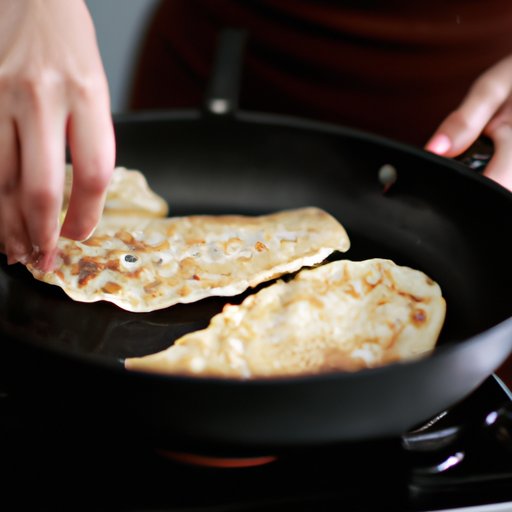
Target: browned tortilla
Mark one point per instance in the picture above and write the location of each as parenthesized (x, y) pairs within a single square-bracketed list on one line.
[(143, 263), (343, 315)]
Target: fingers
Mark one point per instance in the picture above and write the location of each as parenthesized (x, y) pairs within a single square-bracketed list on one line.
[(51, 75), (91, 140), (499, 130), (463, 126), (32, 176), (14, 239), (42, 157), (487, 109)]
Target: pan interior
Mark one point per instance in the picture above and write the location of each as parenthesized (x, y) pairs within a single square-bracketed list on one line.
[(435, 218)]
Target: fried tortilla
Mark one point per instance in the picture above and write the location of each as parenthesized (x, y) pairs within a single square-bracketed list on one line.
[(143, 264), (128, 194), (343, 315)]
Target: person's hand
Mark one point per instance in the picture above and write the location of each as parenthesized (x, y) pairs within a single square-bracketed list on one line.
[(52, 89), (487, 110)]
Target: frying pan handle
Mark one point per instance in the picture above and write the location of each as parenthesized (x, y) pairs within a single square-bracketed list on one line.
[(223, 88), (495, 433), (499, 424), (477, 156)]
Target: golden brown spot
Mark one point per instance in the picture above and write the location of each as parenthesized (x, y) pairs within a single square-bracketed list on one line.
[(418, 317), (317, 303), (150, 288), (184, 291), (161, 247), (371, 280), (396, 331), (338, 359), (350, 290), (130, 241), (135, 274), (59, 274), (112, 264), (260, 246), (188, 266), (385, 272), (388, 358), (244, 256), (95, 241), (346, 275), (232, 245), (125, 237), (413, 298), (195, 277), (170, 230), (139, 246), (111, 287), (88, 270)]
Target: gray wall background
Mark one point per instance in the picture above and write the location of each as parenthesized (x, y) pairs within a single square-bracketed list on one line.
[(119, 27)]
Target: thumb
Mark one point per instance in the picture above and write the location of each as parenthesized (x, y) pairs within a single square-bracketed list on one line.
[(465, 124)]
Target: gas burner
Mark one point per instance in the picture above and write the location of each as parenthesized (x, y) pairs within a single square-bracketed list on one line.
[(196, 459)]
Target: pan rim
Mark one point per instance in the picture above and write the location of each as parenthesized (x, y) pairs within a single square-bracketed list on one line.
[(295, 122)]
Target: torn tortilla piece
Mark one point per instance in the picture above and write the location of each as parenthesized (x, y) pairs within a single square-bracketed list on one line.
[(143, 264), (341, 316)]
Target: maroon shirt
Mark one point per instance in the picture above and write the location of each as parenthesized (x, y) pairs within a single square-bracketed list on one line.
[(394, 67)]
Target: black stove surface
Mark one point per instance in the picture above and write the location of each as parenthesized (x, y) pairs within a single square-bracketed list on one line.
[(462, 457)]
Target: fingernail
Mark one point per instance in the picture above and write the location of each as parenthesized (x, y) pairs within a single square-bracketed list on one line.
[(79, 236), (439, 144)]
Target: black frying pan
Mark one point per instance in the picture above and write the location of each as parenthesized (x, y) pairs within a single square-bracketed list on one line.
[(438, 217)]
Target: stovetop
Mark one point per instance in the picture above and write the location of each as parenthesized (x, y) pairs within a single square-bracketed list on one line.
[(461, 458)]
